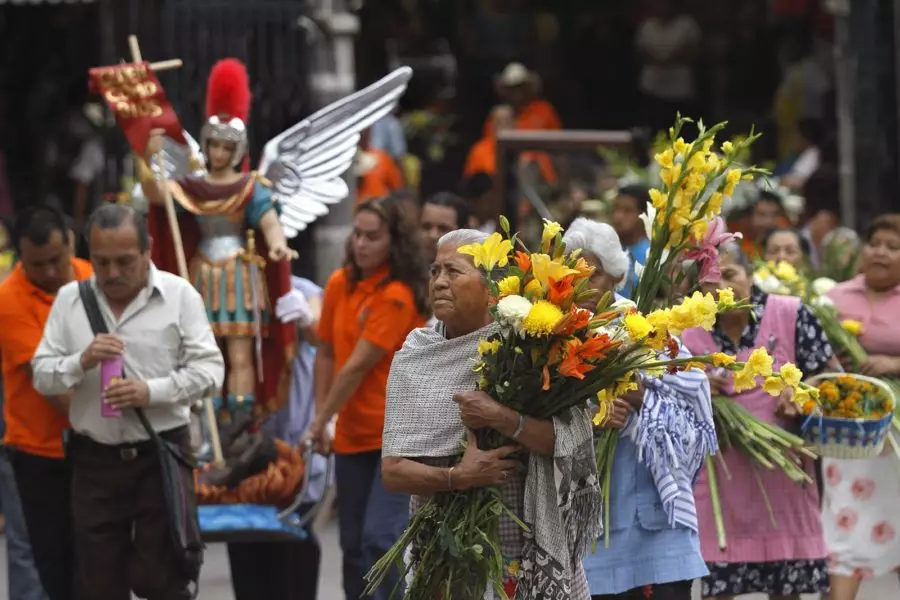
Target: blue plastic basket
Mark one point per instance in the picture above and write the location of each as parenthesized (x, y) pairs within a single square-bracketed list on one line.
[(835, 437)]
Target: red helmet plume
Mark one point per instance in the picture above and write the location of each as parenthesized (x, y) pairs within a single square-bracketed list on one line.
[(228, 90)]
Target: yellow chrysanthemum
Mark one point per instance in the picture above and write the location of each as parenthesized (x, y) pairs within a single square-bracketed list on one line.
[(542, 318), (852, 327), (551, 230), (492, 253), (726, 298), (791, 375), (759, 363), (773, 386), (720, 359), (509, 286), (638, 326), (545, 268), (486, 347)]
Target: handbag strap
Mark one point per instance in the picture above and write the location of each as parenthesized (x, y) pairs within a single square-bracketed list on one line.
[(98, 325)]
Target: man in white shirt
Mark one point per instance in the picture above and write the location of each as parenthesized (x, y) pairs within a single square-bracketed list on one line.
[(157, 323)]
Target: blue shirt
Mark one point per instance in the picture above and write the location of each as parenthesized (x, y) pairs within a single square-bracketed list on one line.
[(637, 254), (643, 547)]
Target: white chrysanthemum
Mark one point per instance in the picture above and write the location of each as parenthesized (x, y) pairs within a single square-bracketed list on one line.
[(823, 285), (512, 310), (822, 301), (769, 285)]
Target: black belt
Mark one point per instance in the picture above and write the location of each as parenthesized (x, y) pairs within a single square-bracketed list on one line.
[(82, 444)]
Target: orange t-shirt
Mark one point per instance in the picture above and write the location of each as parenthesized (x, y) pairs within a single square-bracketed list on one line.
[(33, 425), (537, 114), (483, 159), (383, 315), (384, 178)]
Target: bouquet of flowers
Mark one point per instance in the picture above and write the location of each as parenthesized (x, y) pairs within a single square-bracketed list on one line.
[(852, 418), (547, 356)]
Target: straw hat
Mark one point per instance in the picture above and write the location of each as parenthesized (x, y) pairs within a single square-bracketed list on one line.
[(516, 74)]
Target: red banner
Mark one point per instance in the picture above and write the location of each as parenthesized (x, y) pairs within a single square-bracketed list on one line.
[(139, 102)]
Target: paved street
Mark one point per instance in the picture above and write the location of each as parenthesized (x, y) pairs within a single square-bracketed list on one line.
[(215, 583)]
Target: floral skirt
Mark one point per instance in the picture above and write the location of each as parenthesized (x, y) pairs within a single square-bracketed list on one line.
[(781, 578)]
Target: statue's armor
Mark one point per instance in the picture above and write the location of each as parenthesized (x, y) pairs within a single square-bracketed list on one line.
[(221, 237)]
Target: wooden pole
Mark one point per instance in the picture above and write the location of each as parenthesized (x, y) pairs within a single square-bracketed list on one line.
[(175, 230)]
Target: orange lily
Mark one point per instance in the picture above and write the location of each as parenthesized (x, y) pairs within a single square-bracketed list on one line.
[(560, 292), (523, 261)]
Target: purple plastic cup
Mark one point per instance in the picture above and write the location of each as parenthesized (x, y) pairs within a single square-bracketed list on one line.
[(109, 371)]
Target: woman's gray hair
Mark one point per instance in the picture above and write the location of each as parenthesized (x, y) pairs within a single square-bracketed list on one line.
[(462, 237), (733, 251), (601, 240)]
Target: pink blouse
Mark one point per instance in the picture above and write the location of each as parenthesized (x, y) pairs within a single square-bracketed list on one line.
[(880, 317)]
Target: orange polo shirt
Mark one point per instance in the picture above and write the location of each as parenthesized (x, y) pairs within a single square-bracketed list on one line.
[(33, 425), (483, 158), (384, 178), (383, 314)]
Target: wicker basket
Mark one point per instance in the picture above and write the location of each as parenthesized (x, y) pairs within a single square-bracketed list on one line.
[(835, 437)]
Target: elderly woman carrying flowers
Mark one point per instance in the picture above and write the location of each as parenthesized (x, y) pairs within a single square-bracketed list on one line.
[(775, 547), (653, 545), (431, 406)]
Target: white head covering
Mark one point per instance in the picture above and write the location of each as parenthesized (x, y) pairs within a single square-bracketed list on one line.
[(601, 240)]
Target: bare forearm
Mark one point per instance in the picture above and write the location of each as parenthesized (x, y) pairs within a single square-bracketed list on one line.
[(404, 476), (271, 229), (324, 376), (537, 436), (343, 387)]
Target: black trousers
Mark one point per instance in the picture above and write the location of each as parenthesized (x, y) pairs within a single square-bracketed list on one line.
[(44, 488), (121, 525), (677, 590)]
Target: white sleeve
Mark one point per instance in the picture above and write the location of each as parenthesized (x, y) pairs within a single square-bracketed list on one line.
[(55, 369)]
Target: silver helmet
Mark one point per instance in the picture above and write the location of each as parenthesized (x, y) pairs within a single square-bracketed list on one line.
[(232, 130)]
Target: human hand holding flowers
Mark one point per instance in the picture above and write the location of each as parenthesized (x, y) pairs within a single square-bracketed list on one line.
[(478, 410), (880, 365), (787, 409), (482, 468), (617, 415)]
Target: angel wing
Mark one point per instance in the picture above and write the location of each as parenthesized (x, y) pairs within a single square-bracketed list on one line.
[(180, 160), (305, 163)]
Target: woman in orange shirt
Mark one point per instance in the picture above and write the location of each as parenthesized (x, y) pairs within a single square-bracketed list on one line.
[(369, 307)]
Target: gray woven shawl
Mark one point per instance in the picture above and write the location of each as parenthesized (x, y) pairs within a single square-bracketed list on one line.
[(562, 493)]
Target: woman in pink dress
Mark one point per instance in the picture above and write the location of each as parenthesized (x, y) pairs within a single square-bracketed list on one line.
[(781, 553), (859, 515)]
